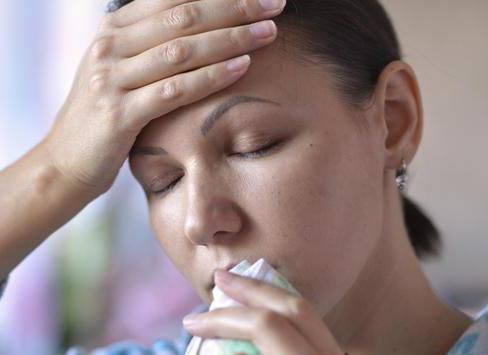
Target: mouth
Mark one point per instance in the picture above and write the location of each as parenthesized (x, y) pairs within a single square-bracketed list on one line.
[(211, 284)]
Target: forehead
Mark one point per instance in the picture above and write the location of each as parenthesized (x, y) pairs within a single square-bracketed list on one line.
[(275, 74)]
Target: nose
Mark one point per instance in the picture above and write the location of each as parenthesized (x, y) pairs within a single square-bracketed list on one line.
[(210, 211)]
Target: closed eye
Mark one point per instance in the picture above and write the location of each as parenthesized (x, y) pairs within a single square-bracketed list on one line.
[(258, 153), (261, 152)]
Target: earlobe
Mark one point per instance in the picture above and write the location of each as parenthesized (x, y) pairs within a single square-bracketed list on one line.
[(402, 112)]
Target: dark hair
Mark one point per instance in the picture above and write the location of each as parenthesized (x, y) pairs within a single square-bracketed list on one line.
[(355, 40)]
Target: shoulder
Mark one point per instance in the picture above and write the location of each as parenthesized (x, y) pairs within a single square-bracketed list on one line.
[(474, 340)]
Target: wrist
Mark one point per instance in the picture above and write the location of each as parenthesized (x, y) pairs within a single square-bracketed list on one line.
[(50, 179)]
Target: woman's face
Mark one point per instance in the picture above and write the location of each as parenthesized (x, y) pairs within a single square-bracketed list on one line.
[(311, 205)]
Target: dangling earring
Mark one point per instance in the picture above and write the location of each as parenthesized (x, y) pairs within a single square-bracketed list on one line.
[(402, 176)]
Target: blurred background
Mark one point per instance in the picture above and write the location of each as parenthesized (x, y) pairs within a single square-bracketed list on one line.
[(103, 277)]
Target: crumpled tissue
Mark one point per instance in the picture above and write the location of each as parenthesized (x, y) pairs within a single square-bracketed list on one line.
[(260, 270)]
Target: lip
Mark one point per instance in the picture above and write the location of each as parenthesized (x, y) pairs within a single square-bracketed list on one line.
[(211, 284), (228, 266)]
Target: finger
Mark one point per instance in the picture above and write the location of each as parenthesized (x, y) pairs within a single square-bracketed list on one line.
[(188, 19), (140, 9), (155, 100), (192, 52), (268, 331), (295, 308)]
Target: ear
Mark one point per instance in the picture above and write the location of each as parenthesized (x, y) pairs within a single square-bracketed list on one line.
[(399, 105)]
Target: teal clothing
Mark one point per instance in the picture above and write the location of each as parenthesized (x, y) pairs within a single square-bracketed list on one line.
[(474, 341)]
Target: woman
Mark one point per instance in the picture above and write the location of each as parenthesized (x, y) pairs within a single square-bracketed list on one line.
[(297, 157)]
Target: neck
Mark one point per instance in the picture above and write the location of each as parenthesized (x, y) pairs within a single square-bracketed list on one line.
[(391, 308)]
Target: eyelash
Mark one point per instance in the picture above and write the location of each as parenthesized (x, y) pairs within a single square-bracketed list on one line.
[(256, 154)]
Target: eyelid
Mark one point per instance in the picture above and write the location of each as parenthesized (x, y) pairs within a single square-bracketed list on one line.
[(257, 142), (158, 183), (262, 151), (263, 146), (253, 142)]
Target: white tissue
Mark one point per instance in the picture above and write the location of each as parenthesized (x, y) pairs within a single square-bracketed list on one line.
[(260, 270)]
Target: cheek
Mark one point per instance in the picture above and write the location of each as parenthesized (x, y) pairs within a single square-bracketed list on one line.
[(312, 210), (166, 224), (322, 214), (165, 221)]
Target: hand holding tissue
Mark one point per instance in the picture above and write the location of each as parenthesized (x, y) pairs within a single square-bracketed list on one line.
[(260, 270)]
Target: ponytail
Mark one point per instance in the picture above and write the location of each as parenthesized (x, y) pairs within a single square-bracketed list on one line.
[(422, 233)]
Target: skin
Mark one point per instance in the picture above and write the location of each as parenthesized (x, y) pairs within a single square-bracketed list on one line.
[(147, 59), (322, 207)]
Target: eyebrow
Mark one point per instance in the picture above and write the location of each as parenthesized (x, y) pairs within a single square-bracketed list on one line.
[(208, 123)]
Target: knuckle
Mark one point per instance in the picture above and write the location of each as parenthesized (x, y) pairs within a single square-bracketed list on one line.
[(108, 21), (182, 17), (235, 39), (299, 308), (212, 77), (102, 47), (175, 52), (268, 319), (171, 90), (242, 8), (111, 108), (99, 80)]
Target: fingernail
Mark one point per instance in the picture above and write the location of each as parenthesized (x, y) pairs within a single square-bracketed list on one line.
[(191, 319), (263, 29), (269, 5), (239, 63)]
